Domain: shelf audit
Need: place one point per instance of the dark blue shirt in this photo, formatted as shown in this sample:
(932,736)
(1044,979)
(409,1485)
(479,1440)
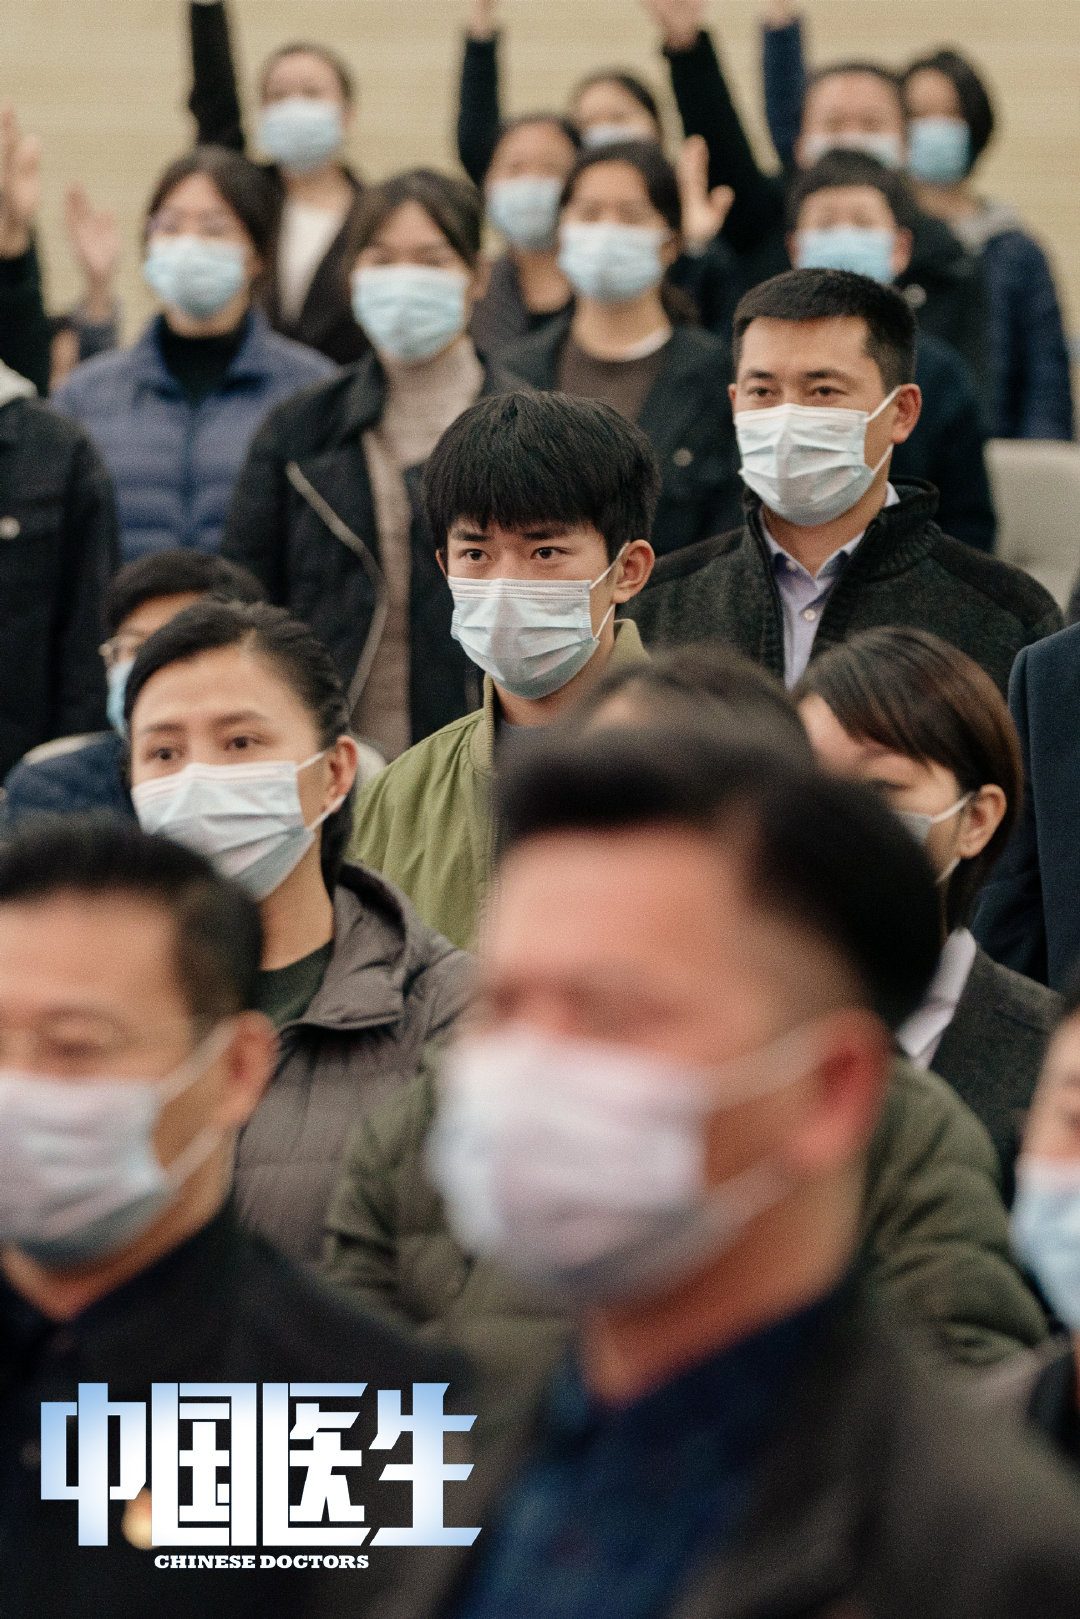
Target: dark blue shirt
(620,1503)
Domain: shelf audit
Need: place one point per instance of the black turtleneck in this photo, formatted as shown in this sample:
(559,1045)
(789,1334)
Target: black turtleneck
(199,364)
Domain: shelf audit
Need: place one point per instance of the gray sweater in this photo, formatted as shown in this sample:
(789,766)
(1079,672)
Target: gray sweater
(904,571)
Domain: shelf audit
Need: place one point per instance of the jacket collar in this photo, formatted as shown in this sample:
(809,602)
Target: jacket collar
(897,538)
(360,400)
(250,363)
(364,982)
(628,649)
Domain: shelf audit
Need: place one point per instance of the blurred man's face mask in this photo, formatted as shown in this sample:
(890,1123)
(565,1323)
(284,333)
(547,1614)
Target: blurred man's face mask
(79,1174)
(580,1168)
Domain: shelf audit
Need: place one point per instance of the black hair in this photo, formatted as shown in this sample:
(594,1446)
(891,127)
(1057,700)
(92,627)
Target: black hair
(290,649)
(303,47)
(708,683)
(555,120)
(976,107)
(912,693)
(175,573)
(455,206)
(876,70)
(662,188)
(835,294)
(519,459)
(242,184)
(847,168)
(822,853)
(218,932)
(626,81)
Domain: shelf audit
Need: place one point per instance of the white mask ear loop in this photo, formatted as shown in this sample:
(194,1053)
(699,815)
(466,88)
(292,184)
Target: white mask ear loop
(947,815)
(190,1071)
(334,807)
(613,563)
(873,417)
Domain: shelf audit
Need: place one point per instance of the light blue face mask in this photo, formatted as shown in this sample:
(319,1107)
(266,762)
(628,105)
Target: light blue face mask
(195,275)
(848,247)
(409,311)
(939,150)
(610,134)
(301,132)
(530,635)
(116,679)
(1045,1229)
(526,210)
(611,263)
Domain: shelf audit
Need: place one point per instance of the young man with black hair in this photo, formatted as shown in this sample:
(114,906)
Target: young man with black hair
(824,390)
(132,1056)
(849,212)
(87,773)
(541,506)
(662,1115)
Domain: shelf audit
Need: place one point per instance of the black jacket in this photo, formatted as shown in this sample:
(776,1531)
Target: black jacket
(943,283)
(309,452)
(221,1308)
(946,448)
(24,325)
(687,417)
(1029,913)
(905,571)
(992,1051)
(325,322)
(58,550)
(879,1494)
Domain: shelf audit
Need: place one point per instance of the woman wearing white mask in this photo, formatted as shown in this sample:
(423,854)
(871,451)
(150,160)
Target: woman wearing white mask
(307,101)
(327,512)
(922,724)
(239,748)
(173,416)
(632,339)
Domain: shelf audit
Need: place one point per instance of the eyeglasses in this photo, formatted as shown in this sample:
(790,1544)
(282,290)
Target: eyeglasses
(174,222)
(120,649)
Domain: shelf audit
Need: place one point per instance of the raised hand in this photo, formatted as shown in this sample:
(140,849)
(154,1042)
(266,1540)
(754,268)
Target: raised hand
(680,20)
(779,13)
(95,242)
(20,185)
(703,211)
(481,17)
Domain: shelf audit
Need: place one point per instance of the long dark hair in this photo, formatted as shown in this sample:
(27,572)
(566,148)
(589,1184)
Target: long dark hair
(912,693)
(662,188)
(976,107)
(294,654)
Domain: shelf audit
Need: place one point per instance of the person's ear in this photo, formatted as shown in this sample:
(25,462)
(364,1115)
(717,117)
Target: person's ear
(980,819)
(440,558)
(791,242)
(479,281)
(732,390)
(342,762)
(633,570)
(908,403)
(843,1094)
(247,1065)
(903,247)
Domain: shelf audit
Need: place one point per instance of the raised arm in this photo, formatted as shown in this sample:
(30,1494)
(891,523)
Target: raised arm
(478,108)
(214,99)
(24,328)
(784,72)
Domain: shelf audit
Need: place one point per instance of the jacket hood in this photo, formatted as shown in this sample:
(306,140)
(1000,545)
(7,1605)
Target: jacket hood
(379,945)
(993,219)
(14,386)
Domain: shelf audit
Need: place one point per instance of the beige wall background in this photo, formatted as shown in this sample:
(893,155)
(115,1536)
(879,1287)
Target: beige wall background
(104,83)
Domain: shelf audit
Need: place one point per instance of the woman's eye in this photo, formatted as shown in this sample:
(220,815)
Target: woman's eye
(161,756)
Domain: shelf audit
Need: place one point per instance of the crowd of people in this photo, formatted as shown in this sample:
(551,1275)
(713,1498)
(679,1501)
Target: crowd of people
(538,850)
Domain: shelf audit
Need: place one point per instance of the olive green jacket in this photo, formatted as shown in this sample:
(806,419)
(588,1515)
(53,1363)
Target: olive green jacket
(424,821)
(935,1237)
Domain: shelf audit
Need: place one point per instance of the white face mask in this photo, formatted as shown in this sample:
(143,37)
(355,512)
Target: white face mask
(79,1176)
(581,1168)
(807,463)
(246,819)
(919,826)
(530,635)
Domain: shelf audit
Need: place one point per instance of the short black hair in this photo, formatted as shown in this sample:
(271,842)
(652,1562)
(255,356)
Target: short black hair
(176,572)
(708,684)
(242,183)
(518,459)
(846,168)
(290,648)
(822,853)
(833,295)
(218,932)
(976,107)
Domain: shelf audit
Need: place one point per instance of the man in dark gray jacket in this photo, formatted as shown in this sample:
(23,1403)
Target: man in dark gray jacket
(824,390)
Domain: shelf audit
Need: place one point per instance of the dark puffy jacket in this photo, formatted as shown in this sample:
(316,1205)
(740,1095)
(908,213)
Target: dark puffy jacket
(57,554)
(904,571)
(946,448)
(303,520)
(24,325)
(392,984)
(935,1235)
(174,463)
(82,780)
(687,417)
